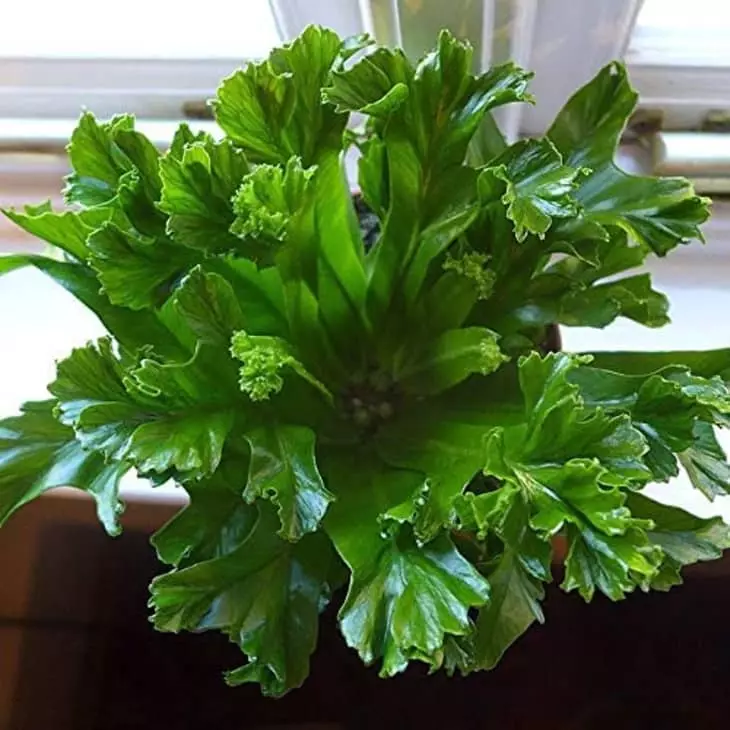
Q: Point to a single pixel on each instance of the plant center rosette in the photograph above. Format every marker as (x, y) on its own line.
(381, 418)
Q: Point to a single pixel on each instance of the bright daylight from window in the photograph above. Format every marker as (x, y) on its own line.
(144, 29)
(682, 32)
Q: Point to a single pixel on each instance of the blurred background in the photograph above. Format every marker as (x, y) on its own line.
(161, 61)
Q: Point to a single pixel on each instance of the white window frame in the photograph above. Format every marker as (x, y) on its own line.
(683, 95)
(40, 88)
(546, 34)
(58, 88)
(40, 99)
(675, 78)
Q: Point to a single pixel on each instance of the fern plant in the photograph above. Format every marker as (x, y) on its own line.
(380, 426)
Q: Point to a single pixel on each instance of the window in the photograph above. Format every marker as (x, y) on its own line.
(679, 33)
(680, 60)
(149, 59)
(78, 29)
(162, 62)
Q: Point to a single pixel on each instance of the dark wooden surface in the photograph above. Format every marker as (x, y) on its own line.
(89, 659)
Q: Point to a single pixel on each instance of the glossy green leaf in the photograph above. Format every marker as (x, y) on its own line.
(618, 378)
(136, 272)
(427, 184)
(615, 565)
(265, 595)
(684, 538)
(145, 157)
(158, 416)
(667, 419)
(598, 306)
(341, 276)
(403, 600)
(570, 462)
(260, 294)
(516, 579)
(97, 160)
(273, 110)
(593, 253)
(377, 85)
(705, 364)
(706, 462)
(439, 235)
(214, 524)
(659, 212)
(198, 183)
(67, 230)
(183, 137)
(373, 175)
(139, 190)
(530, 179)
(425, 593)
(673, 410)
(384, 83)
(37, 453)
(443, 440)
(283, 469)
(449, 359)
(514, 607)
(210, 307)
(559, 427)
(581, 289)
(304, 221)
(487, 143)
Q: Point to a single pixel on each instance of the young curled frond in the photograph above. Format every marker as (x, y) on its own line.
(268, 198)
(264, 359)
(473, 265)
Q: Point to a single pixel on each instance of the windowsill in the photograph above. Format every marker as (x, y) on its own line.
(52, 135)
